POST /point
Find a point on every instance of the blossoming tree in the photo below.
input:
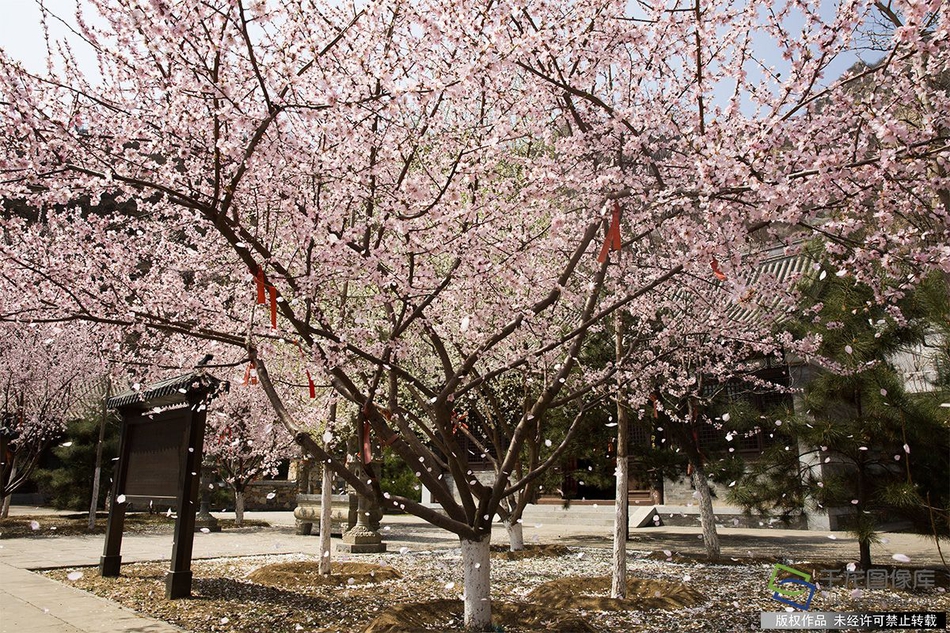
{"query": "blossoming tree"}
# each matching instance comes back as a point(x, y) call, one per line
point(463, 177)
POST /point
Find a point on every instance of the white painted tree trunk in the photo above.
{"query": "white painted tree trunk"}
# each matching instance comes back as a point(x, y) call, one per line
point(618, 581)
point(476, 574)
point(618, 584)
point(710, 536)
point(238, 508)
point(515, 535)
point(326, 510)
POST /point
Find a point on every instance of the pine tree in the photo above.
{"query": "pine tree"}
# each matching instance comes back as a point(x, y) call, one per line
point(869, 445)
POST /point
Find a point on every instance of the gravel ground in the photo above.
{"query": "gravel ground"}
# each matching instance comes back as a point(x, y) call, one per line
point(224, 600)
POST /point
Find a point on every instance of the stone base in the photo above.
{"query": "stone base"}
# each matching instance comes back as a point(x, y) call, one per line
point(211, 526)
point(362, 540)
point(365, 548)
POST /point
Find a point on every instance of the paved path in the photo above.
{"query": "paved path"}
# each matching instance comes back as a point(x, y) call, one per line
point(32, 603)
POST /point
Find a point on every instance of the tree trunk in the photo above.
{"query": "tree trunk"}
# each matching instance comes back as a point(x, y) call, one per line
point(94, 502)
point(326, 501)
point(708, 519)
point(515, 535)
point(475, 568)
point(326, 517)
point(864, 546)
point(5, 507)
point(238, 508)
point(618, 583)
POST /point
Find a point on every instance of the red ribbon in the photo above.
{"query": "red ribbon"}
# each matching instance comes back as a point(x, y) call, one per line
point(714, 264)
point(612, 242)
point(313, 387)
point(273, 306)
point(261, 283)
point(367, 446)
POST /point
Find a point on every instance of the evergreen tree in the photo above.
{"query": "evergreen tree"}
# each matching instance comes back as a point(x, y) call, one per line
point(870, 448)
point(67, 480)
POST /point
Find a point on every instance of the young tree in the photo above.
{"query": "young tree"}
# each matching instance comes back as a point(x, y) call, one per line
point(245, 441)
point(456, 165)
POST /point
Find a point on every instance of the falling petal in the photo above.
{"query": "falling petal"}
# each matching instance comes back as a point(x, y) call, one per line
point(862, 448)
point(224, 620)
point(726, 417)
point(351, 581)
point(848, 349)
point(547, 442)
point(687, 577)
point(450, 585)
point(833, 537)
point(901, 558)
point(205, 531)
point(327, 437)
point(857, 593)
point(74, 575)
point(403, 550)
point(851, 566)
point(66, 444)
point(855, 502)
point(271, 495)
point(883, 392)
point(120, 499)
point(907, 449)
point(34, 525)
point(822, 274)
point(667, 553)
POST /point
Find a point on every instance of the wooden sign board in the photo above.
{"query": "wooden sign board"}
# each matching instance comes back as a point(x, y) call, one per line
point(160, 449)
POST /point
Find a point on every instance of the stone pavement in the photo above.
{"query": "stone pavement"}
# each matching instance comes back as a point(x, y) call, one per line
point(32, 603)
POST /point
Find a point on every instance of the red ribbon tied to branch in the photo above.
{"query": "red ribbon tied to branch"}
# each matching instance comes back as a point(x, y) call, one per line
point(261, 285)
point(714, 264)
point(273, 306)
point(367, 445)
point(612, 242)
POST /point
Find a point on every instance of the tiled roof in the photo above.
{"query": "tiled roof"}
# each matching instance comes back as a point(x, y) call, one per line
point(169, 391)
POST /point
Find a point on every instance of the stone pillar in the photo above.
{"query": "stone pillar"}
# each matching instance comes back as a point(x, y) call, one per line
point(362, 538)
point(205, 520)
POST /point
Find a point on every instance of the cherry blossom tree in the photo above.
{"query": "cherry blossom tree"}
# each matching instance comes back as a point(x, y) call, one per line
point(463, 177)
point(245, 441)
point(43, 369)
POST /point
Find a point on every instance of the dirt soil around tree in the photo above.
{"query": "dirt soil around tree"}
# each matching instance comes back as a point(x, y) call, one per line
point(546, 588)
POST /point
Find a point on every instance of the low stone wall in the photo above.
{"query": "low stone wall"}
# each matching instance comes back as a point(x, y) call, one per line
point(284, 495)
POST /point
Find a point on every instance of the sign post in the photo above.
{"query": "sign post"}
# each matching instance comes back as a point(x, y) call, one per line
point(159, 465)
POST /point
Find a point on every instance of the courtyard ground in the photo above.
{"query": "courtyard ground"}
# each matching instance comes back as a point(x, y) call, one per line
point(227, 598)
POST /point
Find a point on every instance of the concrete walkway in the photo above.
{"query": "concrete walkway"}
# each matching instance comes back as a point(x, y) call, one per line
point(32, 603)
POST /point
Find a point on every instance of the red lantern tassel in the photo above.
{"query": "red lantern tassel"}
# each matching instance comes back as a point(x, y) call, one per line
point(313, 387)
point(273, 306)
